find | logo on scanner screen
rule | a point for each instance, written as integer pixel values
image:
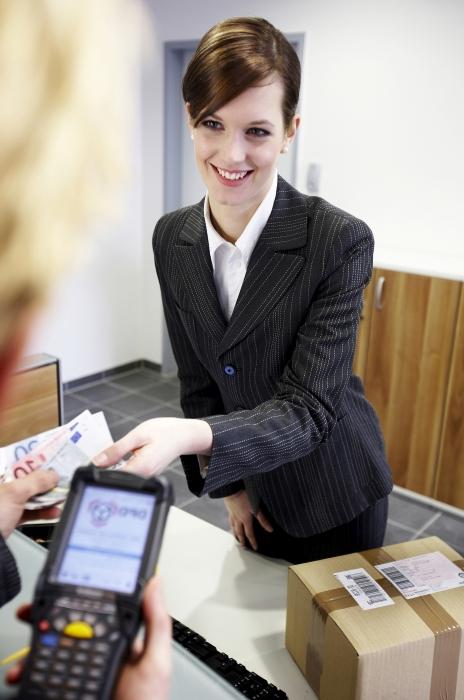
(101, 512)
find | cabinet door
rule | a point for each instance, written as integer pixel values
(450, 472)
(34, 402)
(408, 362)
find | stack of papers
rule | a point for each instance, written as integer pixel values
(63, 449)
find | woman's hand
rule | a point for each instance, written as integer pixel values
(241, 518)
(158, 442)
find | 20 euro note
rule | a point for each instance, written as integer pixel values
(12, 453)
(41, 448)
(88, 435)
(67, 449)
(24, 455)
(52, 453)
(65, 460)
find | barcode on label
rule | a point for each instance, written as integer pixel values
(397, 577)
(364, 589)
(373, 592)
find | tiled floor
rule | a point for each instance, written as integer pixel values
(129, 398)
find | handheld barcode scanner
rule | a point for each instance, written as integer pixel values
(87, 604)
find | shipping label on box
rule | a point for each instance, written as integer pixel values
(364, 640)
(423, 574)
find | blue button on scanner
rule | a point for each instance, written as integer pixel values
(49, 640)
(230, 370)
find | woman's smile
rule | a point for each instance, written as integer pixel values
(231, 178)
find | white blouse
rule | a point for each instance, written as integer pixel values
(229, 260)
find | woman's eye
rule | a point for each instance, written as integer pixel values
(211, 124)
(256, 131)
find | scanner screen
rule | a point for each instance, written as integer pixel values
(107, 539)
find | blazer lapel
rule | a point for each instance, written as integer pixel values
(275, 262)
(197, 274)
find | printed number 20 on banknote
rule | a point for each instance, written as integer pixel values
(39, 457)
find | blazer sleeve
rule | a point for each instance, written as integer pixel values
(308, 400)
(199, 394)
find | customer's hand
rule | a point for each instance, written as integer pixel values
(147, 673)
(241, 518)
(158, 442)
(15, 494)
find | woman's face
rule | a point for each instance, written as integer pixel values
(237, 147)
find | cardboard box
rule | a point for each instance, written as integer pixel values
(412, 650)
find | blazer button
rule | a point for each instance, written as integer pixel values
(230, 370)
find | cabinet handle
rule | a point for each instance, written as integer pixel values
(379, 293)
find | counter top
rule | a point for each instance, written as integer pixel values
(235, 598)
(432, 264)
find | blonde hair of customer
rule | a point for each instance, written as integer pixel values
(65, 73)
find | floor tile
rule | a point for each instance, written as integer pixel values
(176, 404)
(112, 417)
(100, 393)
(164, 391)
(136, 381)
(212, 510)
(164, 410)
(120, 429)
(133, 405)
(405, 511)
(72, 406)
(171, 377)
(395, 533)
(450, 529)
(182, 494)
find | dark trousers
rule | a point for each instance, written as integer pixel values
(367, 530)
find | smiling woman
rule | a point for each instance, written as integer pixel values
(262, 290)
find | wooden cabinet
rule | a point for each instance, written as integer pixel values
(450, 469)
(34, 403)
(404, 355)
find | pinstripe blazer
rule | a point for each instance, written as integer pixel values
(290, 422)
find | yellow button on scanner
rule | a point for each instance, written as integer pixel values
(79, 630)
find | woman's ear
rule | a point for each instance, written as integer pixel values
(292, 129)
(190, 125)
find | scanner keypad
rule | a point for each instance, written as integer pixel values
(74, 644)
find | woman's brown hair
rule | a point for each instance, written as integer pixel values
(237, 54)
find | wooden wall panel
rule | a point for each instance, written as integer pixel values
(410, 346)
(450, 470)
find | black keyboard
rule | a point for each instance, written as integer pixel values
(249, 684)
